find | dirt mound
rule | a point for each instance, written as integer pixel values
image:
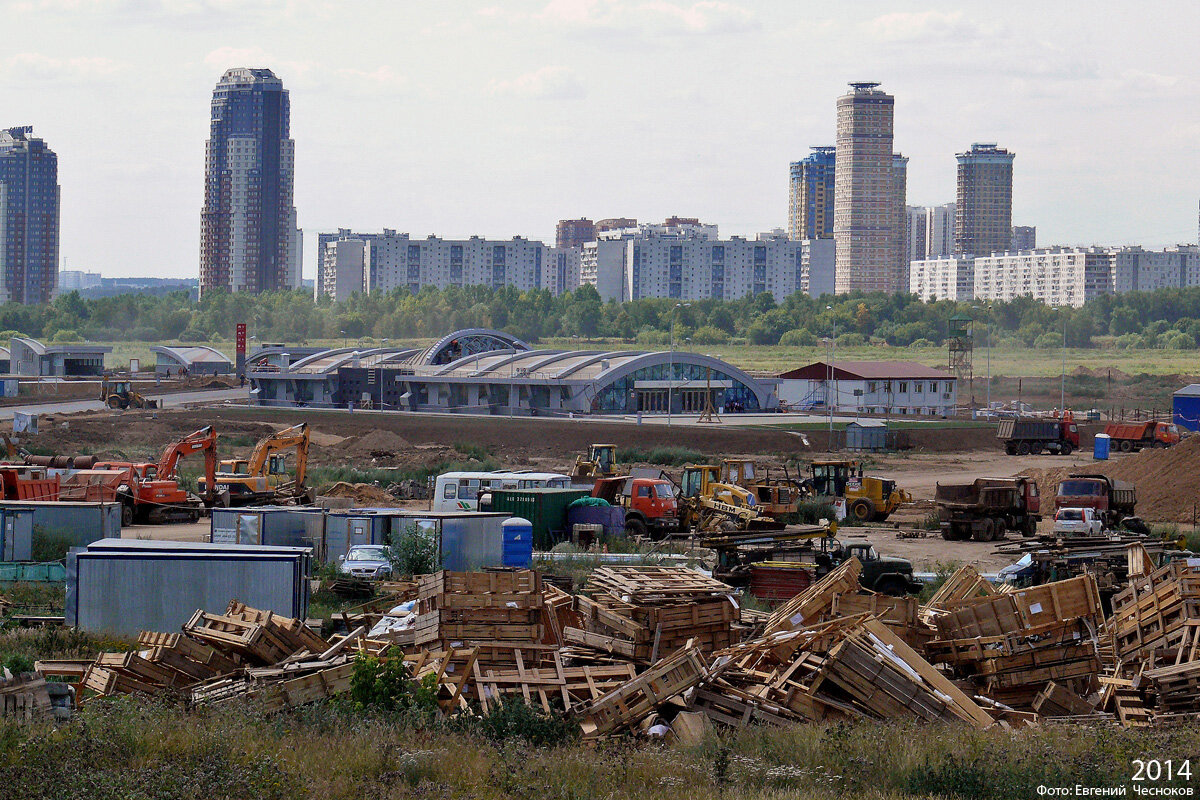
(363, 494)
(1167, 481)
(378, 441)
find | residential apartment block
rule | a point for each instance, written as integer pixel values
(249, 241)
(930, 231)
(352, 262)
(1057, 275)
(810, 195)
(29, 218)
(1024, 237)
(983, 213)
(689, 262)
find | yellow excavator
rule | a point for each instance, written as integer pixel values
(868, 498)
(264, 477)
(709, 506)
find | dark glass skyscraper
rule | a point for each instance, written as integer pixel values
(983, 214)
(249, 241)
(29, 195)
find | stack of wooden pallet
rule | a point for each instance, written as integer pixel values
(1155, 611)
(24, 698)
(1012, 644)
(499, 612)
(646, 613)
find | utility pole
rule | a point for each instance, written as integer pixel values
(832, 377)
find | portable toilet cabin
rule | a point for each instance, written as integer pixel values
(517, 535)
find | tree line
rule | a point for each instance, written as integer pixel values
(1166, 318)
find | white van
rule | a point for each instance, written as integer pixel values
(459, 491)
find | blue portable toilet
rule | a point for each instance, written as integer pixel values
(1102, 446)
(518, 542)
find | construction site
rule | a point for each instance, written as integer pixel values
(630, 585)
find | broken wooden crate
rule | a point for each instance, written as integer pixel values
(632, 701)
(497, 610)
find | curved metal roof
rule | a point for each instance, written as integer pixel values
(192, 353)
(431, 353)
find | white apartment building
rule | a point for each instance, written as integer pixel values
(942, 279)
(356, 262)
(1056, 275)
(71, 280)
(689, 263)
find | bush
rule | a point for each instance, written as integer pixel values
(673, 456)
(513, 718)
(851, 340)
(50, 545)
(798, 337)
(415, 552)
(1179, 341)
(923, 343)
(811, 512)
(707, 334)
(66, 335)
(193, 335)
(384, 684)
(1050, 340)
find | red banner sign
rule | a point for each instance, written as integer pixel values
(241, 338)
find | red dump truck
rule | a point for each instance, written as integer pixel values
(1112, 499)
(987, 507)
(1133, 436)
(1025, 435)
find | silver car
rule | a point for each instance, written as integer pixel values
(367, 561)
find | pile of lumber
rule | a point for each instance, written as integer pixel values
(644, 613)
(1010, 645)
(24, 697)
(500, 612)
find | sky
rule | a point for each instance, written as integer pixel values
(459, 118)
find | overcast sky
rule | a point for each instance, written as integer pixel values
(499, 118)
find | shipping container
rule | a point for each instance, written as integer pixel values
(283, 526)
(16, 534)
(466, 540)
(125, 586)
(59, 526)
(546, 510)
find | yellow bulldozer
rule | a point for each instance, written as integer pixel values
(868, 498)
(600, 462)
(118, 393)
(709, 506)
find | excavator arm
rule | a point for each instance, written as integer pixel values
(202, 441)
(295, 437)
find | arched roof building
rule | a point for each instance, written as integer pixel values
(195, 359)
(490, 372)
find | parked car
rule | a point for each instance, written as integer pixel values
(1078, 522)
(367, 561)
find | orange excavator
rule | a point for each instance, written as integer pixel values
(150, 492)
(202, 441)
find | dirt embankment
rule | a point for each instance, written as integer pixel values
(1167, 481)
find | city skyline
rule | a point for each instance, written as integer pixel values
(497, 119)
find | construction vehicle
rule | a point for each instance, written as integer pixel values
(1133, 436)
(708, 505)
(118, 393)
(1113, 500)
(778, 499)
(814, 545)
(146, 497)
(600, 462)
(202, 441)
(987, 507)
(1024, 436)
(868, 498)
(264, 477)
(649, 503)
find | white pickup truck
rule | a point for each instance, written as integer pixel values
(1077, 522)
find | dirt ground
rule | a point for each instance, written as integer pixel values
(366, 440)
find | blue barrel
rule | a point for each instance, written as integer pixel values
(518, 542)
(1102, 446)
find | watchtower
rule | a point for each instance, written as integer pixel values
(961, 351)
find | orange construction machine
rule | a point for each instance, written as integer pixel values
(150, 492)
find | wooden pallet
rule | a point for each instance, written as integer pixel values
(551, 687)
(649, 585)
(813, 604)
(24, 698)
(1056, 701)
(631, 701)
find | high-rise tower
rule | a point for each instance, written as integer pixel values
(983, 213)
(810, 195)
(865, 223)
(29, 215)
(249, 241)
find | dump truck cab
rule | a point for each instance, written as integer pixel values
(649, 503)
(868, 498)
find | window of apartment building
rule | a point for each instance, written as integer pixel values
(918, 387)
(872, 387)
(903, 387)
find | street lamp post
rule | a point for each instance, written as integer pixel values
(989, 357)
(671, 361)
(1062, 396)
(832, 376)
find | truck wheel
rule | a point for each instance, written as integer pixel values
(948, 534)
(1010, 448)
(998, 531)
(635, 527)
(126, 515)
(1065, 449)
(861, 511)
(1029, 529)
(985, 532)
(1022, 448)
(1125, 446)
